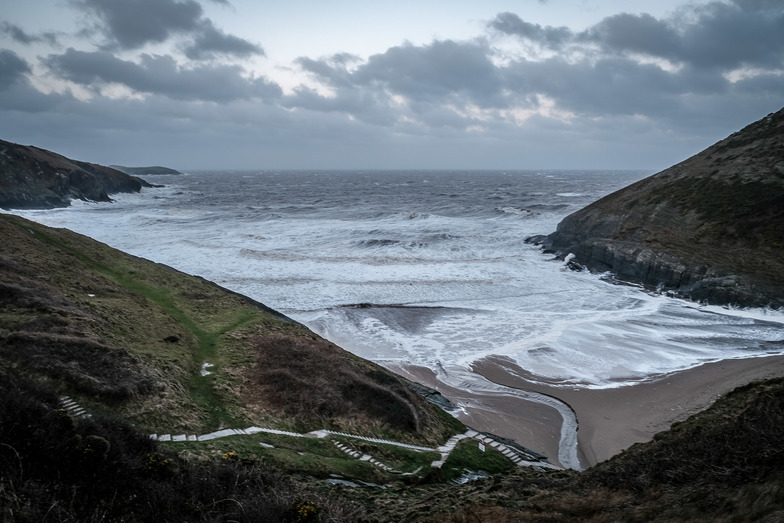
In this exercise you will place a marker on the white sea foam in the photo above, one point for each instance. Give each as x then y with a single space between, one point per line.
451 275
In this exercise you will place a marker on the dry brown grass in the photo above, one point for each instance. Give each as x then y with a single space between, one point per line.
314 382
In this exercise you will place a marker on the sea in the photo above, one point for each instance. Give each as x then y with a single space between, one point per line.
425 268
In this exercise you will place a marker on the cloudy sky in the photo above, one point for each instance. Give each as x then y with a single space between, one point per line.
509 84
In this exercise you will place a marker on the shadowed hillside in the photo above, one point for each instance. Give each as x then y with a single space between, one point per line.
33 178
710 228
725 464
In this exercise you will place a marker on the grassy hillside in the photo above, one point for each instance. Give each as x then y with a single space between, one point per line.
123 335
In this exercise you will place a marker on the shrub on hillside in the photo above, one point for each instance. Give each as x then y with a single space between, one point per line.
311 378
85 365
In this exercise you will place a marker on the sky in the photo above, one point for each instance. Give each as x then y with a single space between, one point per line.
403 84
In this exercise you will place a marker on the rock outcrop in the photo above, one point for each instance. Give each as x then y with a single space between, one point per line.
710 228
33 178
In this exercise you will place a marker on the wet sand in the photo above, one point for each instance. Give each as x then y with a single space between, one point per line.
610 420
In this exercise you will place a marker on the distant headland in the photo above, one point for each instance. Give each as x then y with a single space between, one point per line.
710 228
151 170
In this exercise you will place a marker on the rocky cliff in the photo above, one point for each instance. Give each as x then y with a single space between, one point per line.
710 228
33 178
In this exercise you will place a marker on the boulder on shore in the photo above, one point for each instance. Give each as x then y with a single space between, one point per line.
710 228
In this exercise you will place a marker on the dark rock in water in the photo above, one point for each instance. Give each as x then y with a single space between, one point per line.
151 170
33 178
710 228
537 239
431 395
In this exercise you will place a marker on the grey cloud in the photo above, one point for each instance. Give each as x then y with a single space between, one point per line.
413 104
511 24
436 82
19 35
367 105
774 5
435 73
24 99
134 23
730 36
714 35
333 70
131 24
636 33
18 94
614 86
209 41
161 75
12 68
767 86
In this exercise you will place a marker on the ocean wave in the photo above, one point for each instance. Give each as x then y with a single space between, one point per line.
377 243
516 210
414 215
297 245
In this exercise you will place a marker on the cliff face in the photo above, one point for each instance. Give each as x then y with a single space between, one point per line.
710 228
33 178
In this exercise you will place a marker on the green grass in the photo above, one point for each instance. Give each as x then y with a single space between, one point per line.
307 456
318 457
467 456
208 337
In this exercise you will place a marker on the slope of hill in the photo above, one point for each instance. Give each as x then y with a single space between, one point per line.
146 349
171 352
33 178
724 464
710 228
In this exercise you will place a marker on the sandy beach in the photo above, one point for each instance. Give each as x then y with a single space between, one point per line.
610 420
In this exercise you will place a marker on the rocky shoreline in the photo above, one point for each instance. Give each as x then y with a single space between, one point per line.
34 178
710 229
